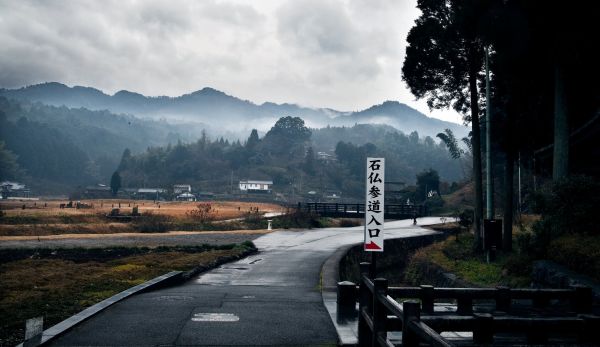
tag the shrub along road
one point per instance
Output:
(271, 298)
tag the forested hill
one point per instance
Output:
(55, 149)
(222, 111)
(59, 146)
(288, 155)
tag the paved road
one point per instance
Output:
(271, 298)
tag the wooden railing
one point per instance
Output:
(380, 313)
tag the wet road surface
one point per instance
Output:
(271, 298)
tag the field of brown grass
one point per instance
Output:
(51, 208)
(45, 217)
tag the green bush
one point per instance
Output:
(347, 223)
(580, 253)
(434, 203)
(569, 206)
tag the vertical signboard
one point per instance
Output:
(374, 208)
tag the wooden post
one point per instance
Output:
(503, 300)
(589, 332)
(364, 332)
(346, 301)
(379, 310)
(412, 312)
(427, 298)
(464, 305)
(583, 300)
(483, 330)
(540, 300)
(537, 337)
(373, 268)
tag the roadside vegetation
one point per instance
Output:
(57, 283)
(562, 230)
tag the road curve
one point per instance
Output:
(271, 298)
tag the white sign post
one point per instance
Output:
(374, 206)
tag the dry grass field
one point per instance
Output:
(45, 217)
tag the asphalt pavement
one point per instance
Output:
(272, 298)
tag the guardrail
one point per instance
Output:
(380, 313)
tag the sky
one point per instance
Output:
(341, 54)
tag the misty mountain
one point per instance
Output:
(76, 145)
(222, 111)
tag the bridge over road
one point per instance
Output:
(271, 298)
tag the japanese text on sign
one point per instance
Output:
(374, 206)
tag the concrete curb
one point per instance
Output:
(330, 276)
(62, 327)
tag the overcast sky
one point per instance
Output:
(345, 55)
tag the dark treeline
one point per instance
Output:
(56, 149)
(289, 155)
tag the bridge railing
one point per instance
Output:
(380, 313)
(345, 209)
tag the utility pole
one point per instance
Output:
(489, 179)
(520, 202)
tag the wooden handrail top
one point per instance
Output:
(367, 281)
(383, 341)
(504, 323)
(367, 318)
(482, 293)
(392, 305)
(427, 334)
(530, 293)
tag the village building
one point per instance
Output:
(326, 157)
(181, 188)
(14, 189)
(150, 193)
(187, 196)
(98, 191)
(256, 186)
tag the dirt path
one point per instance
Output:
(131, 239)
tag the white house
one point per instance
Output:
(182, 188)
(186, 197)
(254, 186)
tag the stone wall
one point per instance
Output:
(391, 263)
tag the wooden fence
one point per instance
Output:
(380, 313)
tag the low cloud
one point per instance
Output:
(327, 53)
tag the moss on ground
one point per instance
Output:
(455, 255)
(579, 253)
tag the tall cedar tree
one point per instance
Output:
(115, 183)
(444, 59)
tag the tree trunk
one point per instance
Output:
(560, 167)
(508, 200)
(476, 141)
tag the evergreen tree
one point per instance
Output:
(115, 183)
(309, 161)
(443, 60)
(253, 140)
